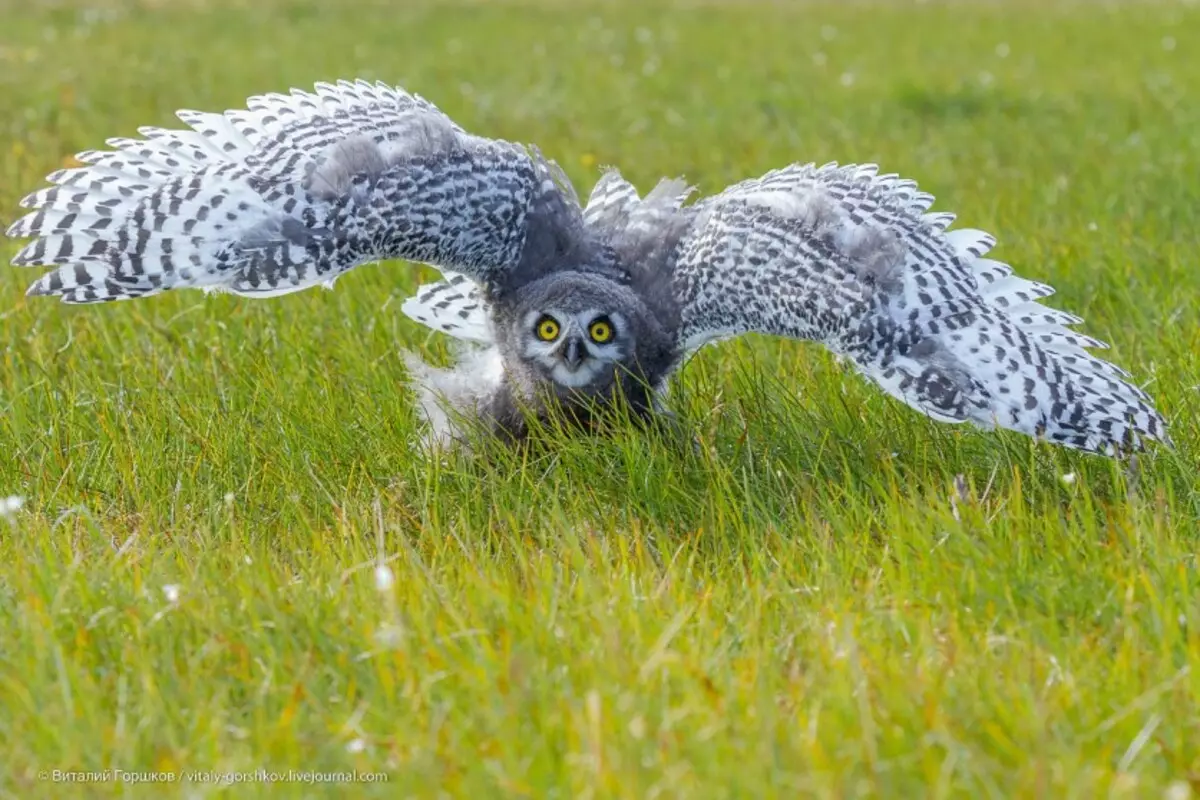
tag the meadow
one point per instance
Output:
(230, 556)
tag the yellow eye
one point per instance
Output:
(547, 329)
(600, 331)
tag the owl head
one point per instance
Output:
(580, 332)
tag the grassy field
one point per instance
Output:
(831, 597)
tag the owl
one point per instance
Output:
(567, 310)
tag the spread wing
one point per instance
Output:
(290, 192)
(851, 259)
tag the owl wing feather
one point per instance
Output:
(456, 306)
(290, 192)
(852, 259)
(611, 200)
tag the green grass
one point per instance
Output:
(804, 606)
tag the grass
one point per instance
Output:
(832, 597)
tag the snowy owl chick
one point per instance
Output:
(566, 307)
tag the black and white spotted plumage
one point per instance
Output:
(297, 189)
(847, 257)
(291, 192)
(454, 305)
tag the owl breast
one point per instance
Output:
(525, 399)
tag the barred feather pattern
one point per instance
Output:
(850, 258)
(455, 306)
(288, 193)
(611, 200)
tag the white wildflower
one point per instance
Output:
(1178, 790)
(1067, 478)
(11, 505)
(355, 746)
(385, 579)
(171, 592)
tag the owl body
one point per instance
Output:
(570, 307)
(552, 366)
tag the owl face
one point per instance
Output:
(575, 349)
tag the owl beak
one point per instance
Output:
(572, 353)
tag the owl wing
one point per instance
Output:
(851, 259)
(292, 191)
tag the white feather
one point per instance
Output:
(454, 306)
